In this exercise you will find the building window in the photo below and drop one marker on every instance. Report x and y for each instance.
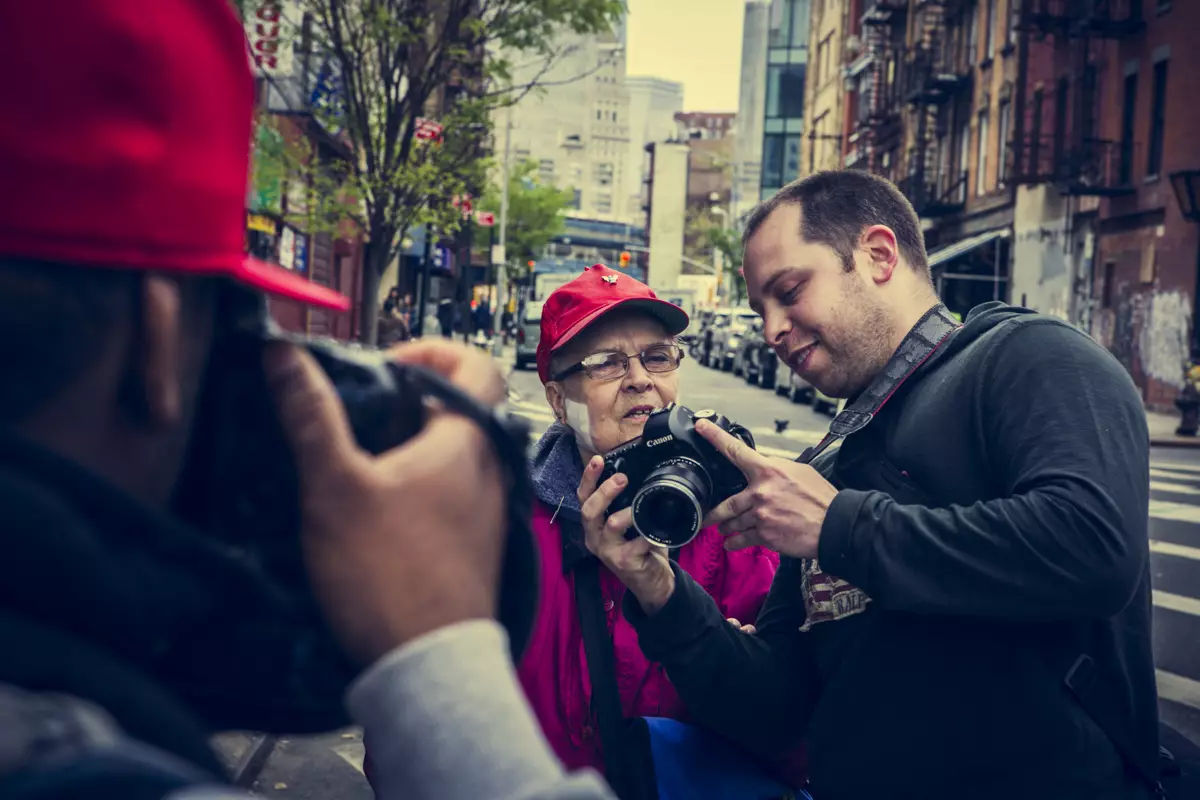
(781, 160)
(990, 34)
(981, 164)
(785, 90)
(1061, 98)
(972, 36)
(1128, 121)
(1158, 102)
(780, 24)
(1010, 22)
(801, 13)
(1003, 150)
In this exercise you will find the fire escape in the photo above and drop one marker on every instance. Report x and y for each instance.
(1071, 155)
(878, 126)
(935, 74)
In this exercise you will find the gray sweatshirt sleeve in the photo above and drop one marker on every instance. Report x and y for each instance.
(446, 719)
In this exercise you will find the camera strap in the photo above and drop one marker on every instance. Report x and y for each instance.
(926, 337)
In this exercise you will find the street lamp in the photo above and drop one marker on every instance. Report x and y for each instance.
(1186, 184)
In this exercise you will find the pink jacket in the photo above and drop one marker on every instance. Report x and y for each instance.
(553, 670)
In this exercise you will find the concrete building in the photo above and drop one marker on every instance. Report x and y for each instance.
(653, 104)
(666, 190)
(752, 97)
(1104, 236)
(577, 126)
(825, 85)
(783, 105)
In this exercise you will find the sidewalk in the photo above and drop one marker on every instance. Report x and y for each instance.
(1162, 431)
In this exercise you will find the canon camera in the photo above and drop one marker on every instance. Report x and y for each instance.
(675, 475)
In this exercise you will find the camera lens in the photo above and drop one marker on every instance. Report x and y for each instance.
(668, 508)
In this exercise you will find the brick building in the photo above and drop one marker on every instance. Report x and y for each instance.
(1099, 142)
(1037, 139)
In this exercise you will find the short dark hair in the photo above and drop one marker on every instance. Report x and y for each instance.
(55, 320)
(836, 205)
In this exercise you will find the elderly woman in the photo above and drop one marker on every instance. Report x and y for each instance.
(607, 357)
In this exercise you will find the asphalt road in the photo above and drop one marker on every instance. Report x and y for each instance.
(320, 767)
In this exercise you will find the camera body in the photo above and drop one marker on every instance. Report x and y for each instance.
(241, 488)
(675, 475)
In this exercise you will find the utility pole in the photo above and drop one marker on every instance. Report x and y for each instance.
(502, 261)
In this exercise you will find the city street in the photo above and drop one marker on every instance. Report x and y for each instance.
(1174, 514)
(312, 767)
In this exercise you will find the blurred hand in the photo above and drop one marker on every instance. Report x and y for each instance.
(643, 567)
(750, 629)
(400, 544)
(782, 508)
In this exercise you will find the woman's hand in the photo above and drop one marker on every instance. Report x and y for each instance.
(643, 567)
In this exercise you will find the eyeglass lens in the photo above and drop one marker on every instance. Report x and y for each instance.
(607, 365)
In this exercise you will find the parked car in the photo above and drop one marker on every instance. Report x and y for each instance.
(529, 333)
(716, 321)
(793, 387)
(751, 341)
(728, 338)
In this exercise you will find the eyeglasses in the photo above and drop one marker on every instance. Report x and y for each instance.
(608, 365)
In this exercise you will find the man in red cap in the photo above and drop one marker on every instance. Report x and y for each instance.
(128, 635)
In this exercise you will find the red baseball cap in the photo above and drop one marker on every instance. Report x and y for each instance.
(126, 144)
(575, 305)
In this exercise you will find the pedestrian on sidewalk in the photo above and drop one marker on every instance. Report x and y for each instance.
(962, 607)
(129, 635)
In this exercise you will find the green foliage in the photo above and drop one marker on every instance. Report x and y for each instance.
(399, 60)
(535, 213)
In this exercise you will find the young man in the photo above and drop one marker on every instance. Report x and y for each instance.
(963, 604)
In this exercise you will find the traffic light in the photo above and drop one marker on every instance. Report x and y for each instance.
(624, 260)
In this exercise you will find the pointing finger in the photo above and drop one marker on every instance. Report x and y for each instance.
(731, 508)
(740, 454)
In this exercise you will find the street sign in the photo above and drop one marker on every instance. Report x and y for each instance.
(485, 218)
(427, 130)
(498, 254)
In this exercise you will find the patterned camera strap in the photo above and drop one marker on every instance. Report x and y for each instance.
(930, 333)
(827, 597)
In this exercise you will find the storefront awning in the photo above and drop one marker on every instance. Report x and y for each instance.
(951, 251)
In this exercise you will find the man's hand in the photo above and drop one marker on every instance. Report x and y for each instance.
(643, 567)
(782, 508)
(407, 542)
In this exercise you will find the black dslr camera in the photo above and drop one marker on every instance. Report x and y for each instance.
(675, 475)
(241, 489)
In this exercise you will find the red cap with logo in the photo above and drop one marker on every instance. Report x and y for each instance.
(125, 140)
(573, 306)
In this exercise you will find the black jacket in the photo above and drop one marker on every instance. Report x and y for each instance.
(173, 635)
(995, 512)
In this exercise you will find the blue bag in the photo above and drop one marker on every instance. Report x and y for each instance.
(690, 762)
(653, 758)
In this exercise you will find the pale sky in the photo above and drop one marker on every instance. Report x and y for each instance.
(695, 42)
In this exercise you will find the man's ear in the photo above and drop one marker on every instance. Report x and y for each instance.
(555, 397)
(153, 388)
(883, 252)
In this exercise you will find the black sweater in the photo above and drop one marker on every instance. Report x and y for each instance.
(995, 512)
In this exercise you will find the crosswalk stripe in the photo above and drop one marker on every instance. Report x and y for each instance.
(1172, 549)
(1173, 488)
(1193, 468)
(1174, 512)
(1177, 602)
(1173, 474)
(1178, 689)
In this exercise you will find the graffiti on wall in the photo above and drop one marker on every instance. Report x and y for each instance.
(1163, 343)
(1148, 332)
